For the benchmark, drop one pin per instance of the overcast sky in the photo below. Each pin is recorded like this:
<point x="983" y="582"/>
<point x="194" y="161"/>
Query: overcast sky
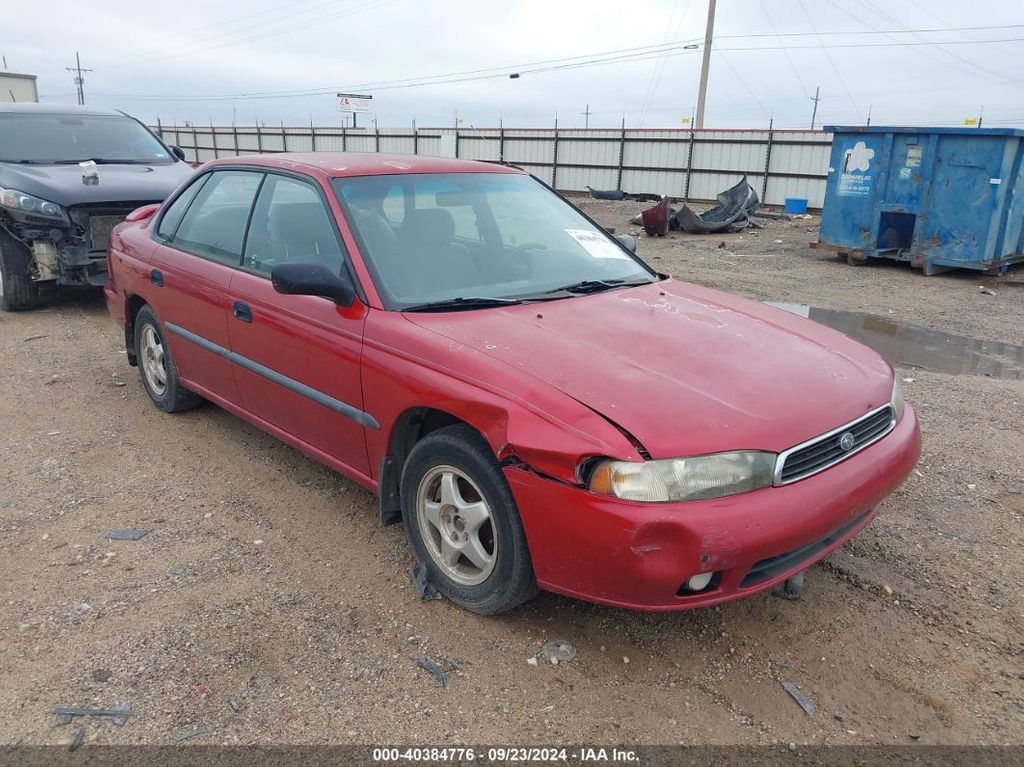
<point x="196" y="59"/>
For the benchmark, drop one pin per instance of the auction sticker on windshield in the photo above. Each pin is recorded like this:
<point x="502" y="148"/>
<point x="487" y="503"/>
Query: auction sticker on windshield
<point x="596" y="245"/>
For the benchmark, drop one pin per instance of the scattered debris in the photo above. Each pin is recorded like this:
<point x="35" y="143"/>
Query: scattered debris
<point x="128" y="534"/>
<point x="532" y="661"/>
<point x="558" y="651"/>
<point x="425" y="590"/>
<point x="35" y="338"/>
<point x="801" y="699"/>
<point x="887" y="589"/>
<point x="432" y="668"/>
<point x="838" y="715"/>
<point x="791" y="588"/>
<point x="118" y="715"/>
<point x="195" y="732"/>
<point x="237" y="707"/>
<point x="78" y="740"/>
<point x="101" y="675"/>
<point x="986" y="291"/>
<point x="177" y="570"/>
<point x="735" y="206"/>
<point x="618" y="194"/>
<point x="656" y="220"/>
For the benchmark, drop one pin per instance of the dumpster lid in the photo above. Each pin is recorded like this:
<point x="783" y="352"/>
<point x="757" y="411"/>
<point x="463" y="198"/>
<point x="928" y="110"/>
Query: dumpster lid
<point x="963" y="130"/>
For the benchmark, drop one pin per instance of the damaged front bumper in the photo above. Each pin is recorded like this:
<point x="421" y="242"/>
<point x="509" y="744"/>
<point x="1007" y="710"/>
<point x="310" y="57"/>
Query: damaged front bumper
<point x="641" y="556"/>
<point x="73" y="251"/>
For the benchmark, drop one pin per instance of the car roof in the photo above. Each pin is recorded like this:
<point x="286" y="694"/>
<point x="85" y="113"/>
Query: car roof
<point x="342" y="164"/>
<point x="26" y="107"/>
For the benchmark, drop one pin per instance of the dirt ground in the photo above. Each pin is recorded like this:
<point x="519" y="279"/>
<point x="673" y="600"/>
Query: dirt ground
<point x="268" y="606"/>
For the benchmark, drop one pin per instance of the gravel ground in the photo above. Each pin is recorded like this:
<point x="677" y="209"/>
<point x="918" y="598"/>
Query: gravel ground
<point x="267" y="606"/>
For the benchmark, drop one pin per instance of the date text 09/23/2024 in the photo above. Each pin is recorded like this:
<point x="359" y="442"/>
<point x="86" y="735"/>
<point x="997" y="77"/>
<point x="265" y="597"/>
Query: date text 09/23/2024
<point x="504" y="754"/>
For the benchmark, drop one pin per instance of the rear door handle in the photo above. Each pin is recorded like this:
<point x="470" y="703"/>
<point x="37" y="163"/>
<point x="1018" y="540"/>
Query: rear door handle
<point x="242" y="311"/>
<point x="157" y="278"/>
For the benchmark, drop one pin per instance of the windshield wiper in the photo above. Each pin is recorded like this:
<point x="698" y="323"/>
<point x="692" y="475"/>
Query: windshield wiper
<point x="462" y="302"/>
<point x="595" y="286"/>
<point x="105" y="161"/>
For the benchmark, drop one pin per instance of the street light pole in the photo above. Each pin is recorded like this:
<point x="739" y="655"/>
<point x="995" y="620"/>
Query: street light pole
<point x="705" y="64"/>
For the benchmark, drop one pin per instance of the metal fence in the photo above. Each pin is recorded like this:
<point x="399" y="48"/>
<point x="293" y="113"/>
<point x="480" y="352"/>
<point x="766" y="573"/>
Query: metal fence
<point x="685" y="164"/>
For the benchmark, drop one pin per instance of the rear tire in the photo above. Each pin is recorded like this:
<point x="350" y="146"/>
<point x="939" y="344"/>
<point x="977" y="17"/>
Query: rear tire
<point x="156" y="366"/>
<point x="17" y="290"/>
<point x="463" y="523"/>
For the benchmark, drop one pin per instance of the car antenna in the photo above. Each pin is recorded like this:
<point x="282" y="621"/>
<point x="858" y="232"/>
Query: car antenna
<point x="501" y="158"/>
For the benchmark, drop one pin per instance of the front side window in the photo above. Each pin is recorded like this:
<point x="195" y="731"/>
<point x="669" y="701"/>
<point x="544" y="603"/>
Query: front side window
<point x="478" y="235"/>
<point x="43" y="139"/>
<point x="214" y="225"/>
<point x="290" y="224"/>
<point x="173" y="215"/>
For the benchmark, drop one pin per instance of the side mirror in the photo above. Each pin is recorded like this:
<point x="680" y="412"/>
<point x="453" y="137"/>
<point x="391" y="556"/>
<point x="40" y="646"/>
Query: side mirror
<point x="178" y="152"/>
<point x="313" y="280"/>
<point x="628" y="241"/>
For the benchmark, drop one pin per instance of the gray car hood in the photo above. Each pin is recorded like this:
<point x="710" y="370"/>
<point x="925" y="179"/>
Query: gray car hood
<point x="63" y="184"/>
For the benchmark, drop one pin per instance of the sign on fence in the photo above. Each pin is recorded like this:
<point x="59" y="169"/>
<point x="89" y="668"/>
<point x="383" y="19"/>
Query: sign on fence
<point x="354" y="103"/>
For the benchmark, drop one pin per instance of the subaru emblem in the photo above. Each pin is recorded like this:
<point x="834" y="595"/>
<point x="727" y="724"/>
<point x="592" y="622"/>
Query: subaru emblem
<point x="846" y="442"/>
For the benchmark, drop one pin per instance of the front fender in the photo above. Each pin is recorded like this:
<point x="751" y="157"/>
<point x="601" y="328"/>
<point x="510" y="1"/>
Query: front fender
<point x="405" y="366"/>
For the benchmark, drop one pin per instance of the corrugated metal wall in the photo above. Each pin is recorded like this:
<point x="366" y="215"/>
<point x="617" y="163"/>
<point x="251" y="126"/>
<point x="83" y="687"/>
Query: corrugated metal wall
<point x="684" y="164"/>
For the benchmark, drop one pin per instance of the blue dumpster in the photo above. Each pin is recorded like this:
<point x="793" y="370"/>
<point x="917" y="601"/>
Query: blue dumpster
<point x="939" y="198"/>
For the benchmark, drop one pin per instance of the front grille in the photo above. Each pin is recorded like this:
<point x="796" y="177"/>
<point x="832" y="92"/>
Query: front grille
<point x="829" y="449"/>
<point x="772" y="566"/>
<point x="100" y="228"/>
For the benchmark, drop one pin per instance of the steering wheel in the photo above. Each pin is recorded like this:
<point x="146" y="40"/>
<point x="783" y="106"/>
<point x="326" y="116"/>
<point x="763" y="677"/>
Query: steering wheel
<point x="509" y="261"/>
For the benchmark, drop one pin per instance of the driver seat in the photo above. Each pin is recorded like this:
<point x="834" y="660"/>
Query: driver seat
<point x="437" y="261"/>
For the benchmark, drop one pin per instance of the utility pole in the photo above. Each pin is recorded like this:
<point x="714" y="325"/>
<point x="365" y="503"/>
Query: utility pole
<point x="869" y="114"/>
<point x="586" y="116"/>
<point x="816" y="99"/>
<point x="702" y="93"/>
<point x="79" y="80"/>
<point x="981" y="115"/>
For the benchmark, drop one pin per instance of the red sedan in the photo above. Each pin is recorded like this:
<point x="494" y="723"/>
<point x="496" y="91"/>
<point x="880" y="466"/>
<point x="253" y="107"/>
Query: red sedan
<point x="537" y="405"/>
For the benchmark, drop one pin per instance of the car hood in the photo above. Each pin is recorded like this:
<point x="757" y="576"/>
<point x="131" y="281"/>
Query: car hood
<point x="63" y="185"/>
<point x="685" y="370"/>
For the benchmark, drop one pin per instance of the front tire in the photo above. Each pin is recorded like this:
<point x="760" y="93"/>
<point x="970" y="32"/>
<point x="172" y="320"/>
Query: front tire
<point x="17" y="290"/>
<point x="156" y="366"/>
<point x="463" y="522"/>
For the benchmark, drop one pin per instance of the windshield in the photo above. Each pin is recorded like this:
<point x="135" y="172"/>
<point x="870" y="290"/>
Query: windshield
<point x="62" y="138"/>
<point x="473" y="237"/>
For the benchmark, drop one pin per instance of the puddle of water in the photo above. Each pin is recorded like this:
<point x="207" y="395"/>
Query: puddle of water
<point x="916" y="346"/>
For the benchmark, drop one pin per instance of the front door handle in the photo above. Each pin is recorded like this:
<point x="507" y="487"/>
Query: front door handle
<point x="157" y="278"/>
<point x="242" y="311"/>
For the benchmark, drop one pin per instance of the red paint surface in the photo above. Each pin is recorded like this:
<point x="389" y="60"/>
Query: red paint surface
<point x="684" y="369"/>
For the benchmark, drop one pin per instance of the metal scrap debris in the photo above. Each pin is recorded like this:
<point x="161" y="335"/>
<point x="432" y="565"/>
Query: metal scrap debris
<point x="618" y="194"/>
<point x="118" y="715"/>
<point x="425" y="590"/>
<point x="78" y="740"/>
<point x="735" y="206"/>
<point x="128" y="534"/>
<point x="432" y="668"/>
<point x="802" y="700"/>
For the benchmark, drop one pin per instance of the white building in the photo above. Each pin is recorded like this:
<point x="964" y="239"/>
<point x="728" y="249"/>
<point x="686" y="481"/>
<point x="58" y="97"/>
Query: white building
<point x="17" y="87"/>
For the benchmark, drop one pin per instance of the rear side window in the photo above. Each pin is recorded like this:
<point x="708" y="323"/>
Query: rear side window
<point x="290" y="224"/>
<point x="214" y="225"/>
<point x="171" y="219"/>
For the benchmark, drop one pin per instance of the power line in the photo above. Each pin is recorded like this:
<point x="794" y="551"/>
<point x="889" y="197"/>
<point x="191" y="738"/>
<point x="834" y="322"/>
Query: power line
<point x="828" y="55"/>
<point x="502" y="72"/>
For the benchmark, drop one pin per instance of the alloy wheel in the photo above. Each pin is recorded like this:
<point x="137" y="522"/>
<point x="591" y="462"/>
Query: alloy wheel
<point x="456" y="525"/>
<point x="154" y="365"/>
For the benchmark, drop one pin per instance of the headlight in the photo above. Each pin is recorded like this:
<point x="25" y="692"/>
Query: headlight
<point x="897" y="400"/>
<point x="15" y="200"/>
<point x="684" y="479"/>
